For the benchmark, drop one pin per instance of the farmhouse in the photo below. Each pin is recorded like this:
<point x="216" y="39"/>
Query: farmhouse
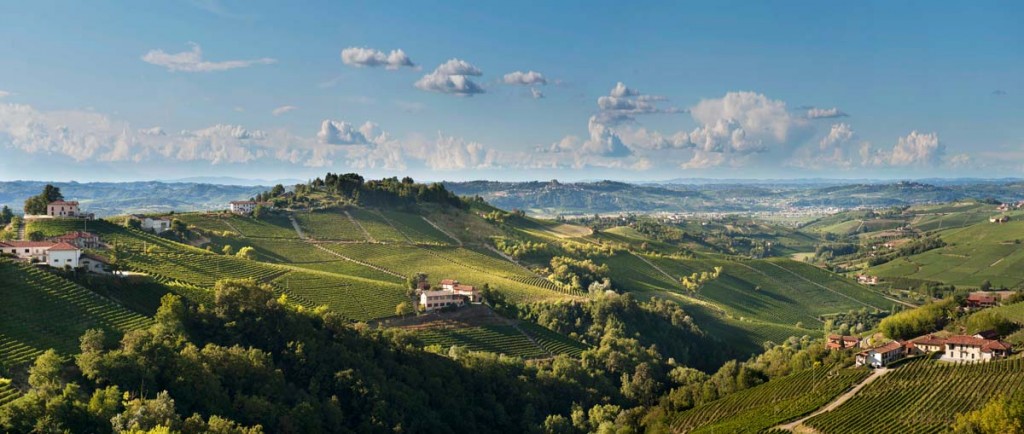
<point x="61" y="208"/>
<point x="974" y="349"/>
<point x="54" y="254"/>
<point x="82" y="240"/>
<point x="93" y="263"/>
<point x="926" y="344"/>
<point x="155" y="225"/>
<point x="999" y="219"/>
<point x="882" y="356"/>
<point x="864" y="279"/>
<point x="980" y="300"/>
<point x="838" y="342"/>
<point x="452" y="293"/>
<point x="243" y="207"/>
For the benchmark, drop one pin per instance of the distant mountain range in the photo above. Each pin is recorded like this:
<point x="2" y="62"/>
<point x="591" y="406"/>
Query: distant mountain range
<point x="114" y="198"/>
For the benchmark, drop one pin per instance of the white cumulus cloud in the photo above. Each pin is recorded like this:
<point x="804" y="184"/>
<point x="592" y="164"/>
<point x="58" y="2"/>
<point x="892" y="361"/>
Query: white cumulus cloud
<point x="820" y="113"/>
<point x="528" y="78"/>
<point x="452" y="77"/>
<point x="369" y="57"/>
<point x="917" y="149"/>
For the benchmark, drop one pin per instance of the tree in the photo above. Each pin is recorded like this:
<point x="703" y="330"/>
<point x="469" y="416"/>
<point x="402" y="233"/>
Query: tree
<point x="985" y="286"/>
<point x="1000" y="415"/>
<point x="45" y="374"/>
<point x="404" y="308"/>
<point x="6" y="215"/>
<point x="246" y="252"/>
<point x="227" y="250"/>
<point x="36" y="205"/>
<point x="36" y="236"/>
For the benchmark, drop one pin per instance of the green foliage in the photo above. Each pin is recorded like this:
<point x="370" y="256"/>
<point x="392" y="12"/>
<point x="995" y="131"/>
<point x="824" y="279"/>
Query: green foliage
<point x="36" y="205"/>
<point x="246" y="252"/>
<point x="1002" y="415"/>
<point x="918" y="321"/>
<point x="576" y="274"/>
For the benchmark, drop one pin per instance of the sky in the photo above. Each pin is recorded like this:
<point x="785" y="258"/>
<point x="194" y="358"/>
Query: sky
<point x="528" y="90"/>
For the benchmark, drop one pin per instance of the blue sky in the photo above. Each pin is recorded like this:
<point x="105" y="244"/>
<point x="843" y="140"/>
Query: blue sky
<point x="172" y="89"/>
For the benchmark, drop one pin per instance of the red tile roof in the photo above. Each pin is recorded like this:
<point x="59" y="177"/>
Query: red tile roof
<point x="986" y="345"/>
<point x="27" y="244"/>
<point x="63" y="247"/>
<point x="928" y="340"/>
<point x="891" y="346"/>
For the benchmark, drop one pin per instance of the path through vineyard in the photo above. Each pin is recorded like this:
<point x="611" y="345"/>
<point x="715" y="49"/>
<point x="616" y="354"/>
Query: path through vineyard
<point x="798" y="425"/>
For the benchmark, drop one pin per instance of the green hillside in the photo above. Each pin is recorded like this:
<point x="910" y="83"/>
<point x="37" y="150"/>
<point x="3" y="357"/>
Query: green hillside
<point x="761" y="407"/>
<point x="922" y="397"/>
<point x="42" y="311"/>
<point x="972" y="255"/>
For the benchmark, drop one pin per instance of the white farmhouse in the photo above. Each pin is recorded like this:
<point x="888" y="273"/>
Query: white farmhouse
<point x="974" y="349"/>
<point x="63" y="255"/>
<point x="882" y="356"/>
<point x="155" y="225"/>
<point x="439" y="299"/>
<point x="243" y="206"/>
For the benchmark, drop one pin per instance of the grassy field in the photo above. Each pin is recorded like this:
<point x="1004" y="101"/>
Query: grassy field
<point x="973" y="254"/>
<point x="761" y="407"/>
<point x="42" y="311"/>
<point x="923" y="396"/>
<point x="458" y="263"/>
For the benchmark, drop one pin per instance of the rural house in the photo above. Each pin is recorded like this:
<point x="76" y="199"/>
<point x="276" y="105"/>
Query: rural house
<point x="926" y="344"/>
<point x="452" y="293"/>
<point x="837" y="342"/>
<point x="881" y="356"/>
<point x="155" y="225"/>
<point x="981" y="300"/>
<point x="82" y="240"/>
<point x="974" y="349"/>
<point x="867" y="280"/>
<point x="61" y="208"/>
<point x="242" y="207"/>
<point x="54" y="254"/>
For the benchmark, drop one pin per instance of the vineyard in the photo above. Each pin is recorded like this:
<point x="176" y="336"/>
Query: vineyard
<point x="552" y="342"/>
<point x="329" y="224"/>
<point x="455" y="263"/>
<point x="307" y="255"/>
<point x="8" y="392"/>
<point x="378" y="228"/>
<point x="355" y="299"/>
<point x="42" y="311"/>
<point x="272" y="225"/>
<point x="923" y="396"/>
<point x="502" y="339"/>
<point x="761" y="407"/>
<point x="200" y="270"/>
<point x="416" y="229"/>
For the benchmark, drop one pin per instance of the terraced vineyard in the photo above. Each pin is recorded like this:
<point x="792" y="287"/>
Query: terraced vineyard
<point x="329" y="224"/>
<point x="200" y="270"/>
<point x="356" y="299"/>
<point x="416" y="229"/>
<point x="503" y="339"/>
<point x="42" y="311"/>
<point x="8" y="393"/>
<point x="761" y="407"/>
<point x="551" y="341"/>
<point x="923" y="396"/>
<point x="269" y="226"/>
<point x="407" y="259"/>
<point x="377" y="226"/>
<point x="307" y="255"/>
<point x="111" y="234"/>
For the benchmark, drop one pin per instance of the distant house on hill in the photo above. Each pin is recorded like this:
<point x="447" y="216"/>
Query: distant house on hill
<point x="838" y="342"/>
<point x="999" y="219"/>
<point x="882" y="356"/>
<point x="62" y="208"/>
<point x="245" y="207"/>
<point x="981" y="300"/>
<point x="864" y="279"/>
<point x="452" y="293"/>
<point x="155" y="225"/>
<point x="82" y="240"/>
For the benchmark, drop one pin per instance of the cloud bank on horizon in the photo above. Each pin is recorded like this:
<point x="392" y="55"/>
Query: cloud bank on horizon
<point x="629" y="132"/>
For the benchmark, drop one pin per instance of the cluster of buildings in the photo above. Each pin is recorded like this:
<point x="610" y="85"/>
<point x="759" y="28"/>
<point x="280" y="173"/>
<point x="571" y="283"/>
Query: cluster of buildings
<point x="999" y="219"/>
<point x="981" y="347"/>
<point x="451" y="293"/>
<point x="64" y="251"/>
<point x="156" y="225"/>
<point x="864" y="279"/>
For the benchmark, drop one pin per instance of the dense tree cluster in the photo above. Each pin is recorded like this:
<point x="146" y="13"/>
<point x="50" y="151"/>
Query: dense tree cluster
<point x="918" y="321"/>
<point x="577" y="274"/>
<point x="524" y="249"/>
<point x="36" y="205"/>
